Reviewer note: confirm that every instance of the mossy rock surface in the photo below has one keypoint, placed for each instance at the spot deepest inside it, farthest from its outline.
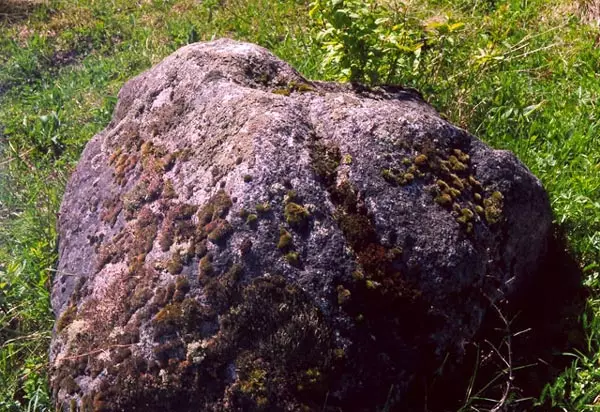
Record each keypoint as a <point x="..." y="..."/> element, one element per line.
<point x="361" y="255"/>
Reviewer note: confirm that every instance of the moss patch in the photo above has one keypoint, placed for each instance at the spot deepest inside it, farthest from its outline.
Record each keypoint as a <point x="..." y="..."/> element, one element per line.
<point x="296" y="215"/>
<point x="493" y="207"/>
<point x="285" y="239"/>
<point x="67" y="317"/>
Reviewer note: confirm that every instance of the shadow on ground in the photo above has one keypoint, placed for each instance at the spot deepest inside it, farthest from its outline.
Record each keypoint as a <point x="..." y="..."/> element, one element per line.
<point x="525" y="338"/>
<point x="14" y="11"/>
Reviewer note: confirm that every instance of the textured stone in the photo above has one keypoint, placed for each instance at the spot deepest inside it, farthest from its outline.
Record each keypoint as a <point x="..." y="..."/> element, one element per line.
<point x="240" y="238"/>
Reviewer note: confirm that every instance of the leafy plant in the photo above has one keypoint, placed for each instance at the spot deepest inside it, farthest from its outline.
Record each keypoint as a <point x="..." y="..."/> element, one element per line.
<point x="375" y="42"/>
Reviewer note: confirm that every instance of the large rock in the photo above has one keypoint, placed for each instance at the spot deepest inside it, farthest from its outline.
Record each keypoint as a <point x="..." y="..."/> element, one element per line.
<point x="240" y="238"/>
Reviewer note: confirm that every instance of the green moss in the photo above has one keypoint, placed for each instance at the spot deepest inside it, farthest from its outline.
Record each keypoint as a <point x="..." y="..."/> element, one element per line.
<point x="474" y="182"/>
<point x="395" y="253"/>
<point x="480" y="211"/>
<point x="466" y="215"/>
<point x="455" y="193"/>
<point x="243" y="213"/>
<point x="205" y="266"/>
<point x="493" y="207"/>
<point x="388" y="175"/>
<point x="456" y="164"/>
<point x="217" y="207"/>
<point x="175" y="264"/>
<point x="145" y="191"/>
<point x="444" y="166"/>
<point x="285" y="239"/>
<point x="343" y="295"/>
<point x="182" y="287"/>
<point x="234" y="273"/>
<point x="407" y="178"/>
<point x="251" y="219"/>
<point x="290" y="196"/>
<point x="166" y="238"/>
<point x="357" y="229"/>
<point x="282" y="91"/>
<point x="347" y="159"/>
<point x="263" y="208"/>
<point x="111" y="209"/>
<point x="264" y="360"/>
<point x="254" y="383"/>
<point x="443" y="186"/>
<point x="421" y="160"/>
<point x="456" y="182"/>
<point x="293" y="258"/>
<point x="296" y="215"/>
<point x="179" y="317"/>
<point x="358" y="275"/>
<point x="301" y="87"/>
<point x="177" y="225"/>
<point x="325" y="161"/>
<point x="463" y="157"/>
<point x="124" y="164"/>
<point x="169" y="190"/>
<point x="221" y="231"/>
<point x="67" y="317"/>
<point x="371" y="284"/>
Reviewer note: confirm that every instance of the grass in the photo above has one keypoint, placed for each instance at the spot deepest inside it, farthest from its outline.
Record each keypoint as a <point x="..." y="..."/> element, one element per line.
<point x="521" y="74"/>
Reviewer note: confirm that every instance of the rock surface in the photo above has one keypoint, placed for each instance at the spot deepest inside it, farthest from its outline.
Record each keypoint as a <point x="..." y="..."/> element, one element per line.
<point x="240" y="238"/>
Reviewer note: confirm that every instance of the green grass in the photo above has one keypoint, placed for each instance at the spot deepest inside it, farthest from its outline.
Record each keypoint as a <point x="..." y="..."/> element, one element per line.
<point x="522" y="75"/>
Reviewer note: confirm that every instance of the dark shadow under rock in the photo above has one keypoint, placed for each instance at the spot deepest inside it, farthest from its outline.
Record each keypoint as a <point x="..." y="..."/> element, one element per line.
<point x="526" y="338"/>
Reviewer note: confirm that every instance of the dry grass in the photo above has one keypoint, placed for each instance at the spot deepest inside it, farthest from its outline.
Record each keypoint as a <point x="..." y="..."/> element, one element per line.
<point x="589" y="11"/>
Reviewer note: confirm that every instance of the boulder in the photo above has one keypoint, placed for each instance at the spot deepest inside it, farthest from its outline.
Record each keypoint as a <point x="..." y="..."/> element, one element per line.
<point x="241" y="238"/>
